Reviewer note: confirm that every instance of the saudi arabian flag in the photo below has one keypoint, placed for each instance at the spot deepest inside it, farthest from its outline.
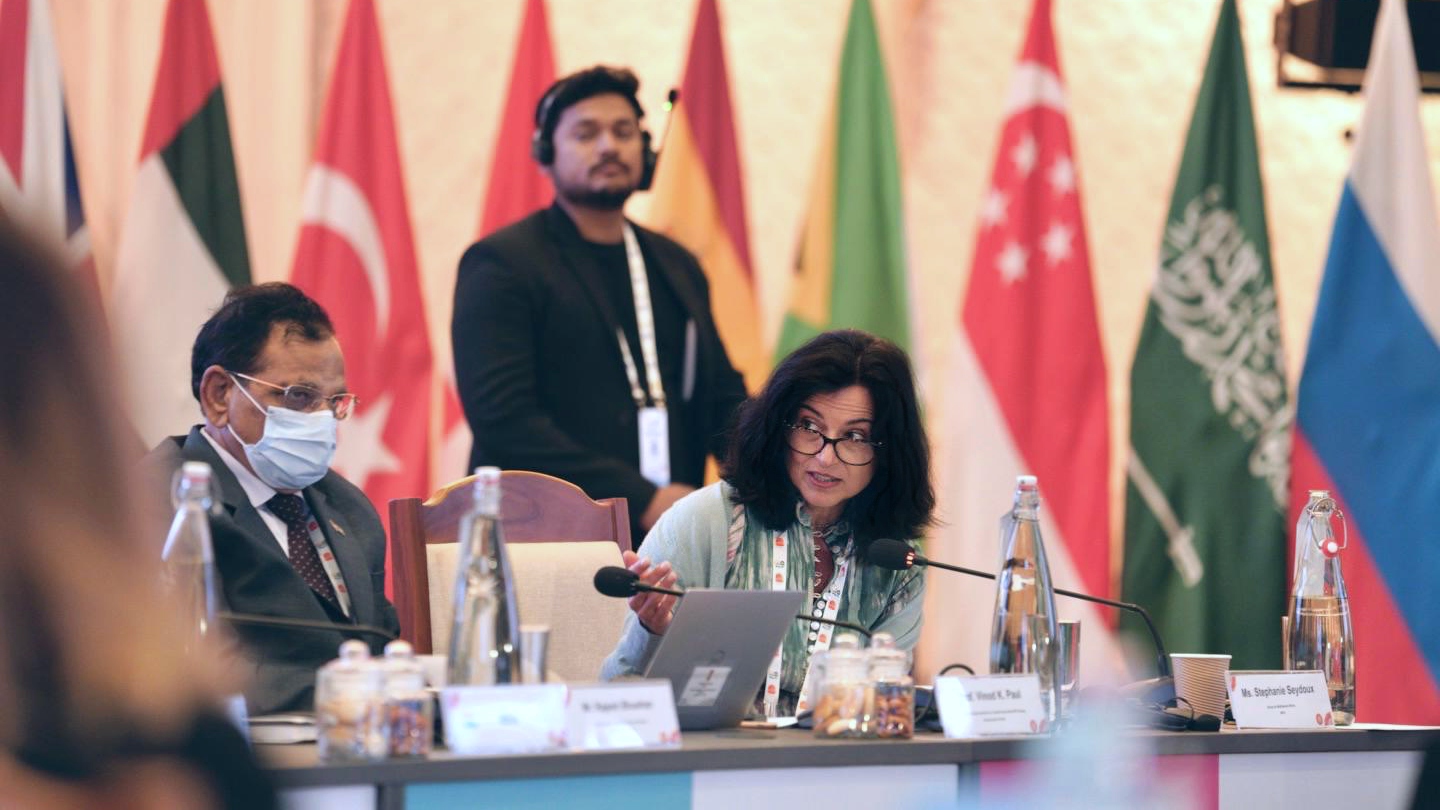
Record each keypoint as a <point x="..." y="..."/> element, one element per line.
<point x="183" y="243"/>
<point x="1209" y="417"/>
<point x="851" y="267"/>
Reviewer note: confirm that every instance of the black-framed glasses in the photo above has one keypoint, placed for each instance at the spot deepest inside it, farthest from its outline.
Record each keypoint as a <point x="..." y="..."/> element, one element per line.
<point x="850" y="449"/>
<point x="305" y="399"/>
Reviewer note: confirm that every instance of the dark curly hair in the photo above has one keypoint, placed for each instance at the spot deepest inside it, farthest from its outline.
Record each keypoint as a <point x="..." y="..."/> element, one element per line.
<point x="899" y="502"/>
<point x="236" y="334"/>
<point x="570" y="90"/>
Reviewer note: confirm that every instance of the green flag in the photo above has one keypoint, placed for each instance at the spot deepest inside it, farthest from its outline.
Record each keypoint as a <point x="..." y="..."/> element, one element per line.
<point x="851" y="267"/>
<point x="1209" y="416"/>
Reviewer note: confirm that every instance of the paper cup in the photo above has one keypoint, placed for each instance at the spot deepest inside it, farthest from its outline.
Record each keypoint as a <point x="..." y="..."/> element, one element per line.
<point x="1200" y="680"/>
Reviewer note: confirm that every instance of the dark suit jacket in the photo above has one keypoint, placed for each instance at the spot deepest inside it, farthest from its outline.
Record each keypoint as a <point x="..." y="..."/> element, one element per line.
<point x="539" y="370"/>
<point x="257" y="577"/>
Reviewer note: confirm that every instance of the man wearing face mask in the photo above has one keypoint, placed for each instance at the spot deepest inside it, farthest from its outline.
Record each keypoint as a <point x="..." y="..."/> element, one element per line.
<point x="293" y="539"/>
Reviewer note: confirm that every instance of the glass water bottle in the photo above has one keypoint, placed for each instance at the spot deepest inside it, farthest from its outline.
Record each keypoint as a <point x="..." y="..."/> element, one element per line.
<point x="485" y="641"/>
<point x="1021" y="639"/>
<point x="189" y="556"/>
<point x="1321" y="636"/>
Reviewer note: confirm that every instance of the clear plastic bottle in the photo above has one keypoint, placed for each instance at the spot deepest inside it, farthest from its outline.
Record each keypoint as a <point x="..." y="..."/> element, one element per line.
<point x="1021" y="639"/>
<point x="409" y="710"/>
<point x="350" y="707"/>
<point x="1321" y="636"/>
<point x="841" y="680"/>
<point x="894" y="689"/>
<point x="189" y="556"/>
<point x="485" y="641"/>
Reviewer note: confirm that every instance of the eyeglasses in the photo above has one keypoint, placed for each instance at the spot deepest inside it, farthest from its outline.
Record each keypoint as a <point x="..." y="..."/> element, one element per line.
<point x="305" y="399"/>
<point x="850" y="449"/>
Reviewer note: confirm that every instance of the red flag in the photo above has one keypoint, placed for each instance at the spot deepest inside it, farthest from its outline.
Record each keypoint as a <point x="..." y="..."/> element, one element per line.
<point x="1030" y="388"/>
<point x="39" y="187"/>
<point x="356" y="256"/>
<point x="699" y="200"/>
<point x="517" y="188"/>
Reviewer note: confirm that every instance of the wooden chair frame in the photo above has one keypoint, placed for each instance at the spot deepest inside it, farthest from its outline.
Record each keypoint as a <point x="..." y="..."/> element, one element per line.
<point x="534" y="508"/>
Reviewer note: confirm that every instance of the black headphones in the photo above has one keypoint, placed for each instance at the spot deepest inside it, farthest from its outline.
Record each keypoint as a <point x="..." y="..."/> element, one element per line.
<point x="542" y="143"/>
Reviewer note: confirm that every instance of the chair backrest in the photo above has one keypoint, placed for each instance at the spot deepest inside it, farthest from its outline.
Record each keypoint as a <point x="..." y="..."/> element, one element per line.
<point x="554" y="587"/>
<point x="534" y="508"/>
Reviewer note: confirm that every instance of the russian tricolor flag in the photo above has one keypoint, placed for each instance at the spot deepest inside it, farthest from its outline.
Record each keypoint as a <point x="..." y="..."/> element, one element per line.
<point x="1369" y="402"/>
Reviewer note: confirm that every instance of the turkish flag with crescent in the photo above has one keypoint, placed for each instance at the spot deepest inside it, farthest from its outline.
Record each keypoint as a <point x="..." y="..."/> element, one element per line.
<point x="356" y="256"/>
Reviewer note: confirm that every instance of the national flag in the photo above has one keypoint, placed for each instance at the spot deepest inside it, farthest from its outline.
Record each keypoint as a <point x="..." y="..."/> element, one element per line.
<point x="851" y="271"/>
<point x="39" y="187"/>
<point x="699" y="199"/>
<point x="1028" y="394"/>
<point x="1369" y="402"/>
<point x="356" y="256"/>
<point x="183" y="243"/>
<point x="517" y="187"/>
<point x="1210" y="420"/>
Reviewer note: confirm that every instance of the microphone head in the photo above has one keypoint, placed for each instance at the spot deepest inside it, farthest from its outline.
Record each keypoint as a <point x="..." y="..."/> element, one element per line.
<point x="892" y="554"/>
<point x="612" y="580"/>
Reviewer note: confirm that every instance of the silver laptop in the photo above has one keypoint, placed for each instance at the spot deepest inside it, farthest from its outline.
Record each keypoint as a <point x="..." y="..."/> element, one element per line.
<point x="717" y="650"/>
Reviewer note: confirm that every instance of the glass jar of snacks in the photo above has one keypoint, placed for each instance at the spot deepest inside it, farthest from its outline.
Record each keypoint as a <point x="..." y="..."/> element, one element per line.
<point x="409" y="710"/>
<point x="893" y="688"/>
<point x="843" y="700"/>
<point x="350" y="707"/>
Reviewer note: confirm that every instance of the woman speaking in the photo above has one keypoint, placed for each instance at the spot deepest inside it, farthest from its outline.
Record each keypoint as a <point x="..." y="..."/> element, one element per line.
<point x="830" y="456"/>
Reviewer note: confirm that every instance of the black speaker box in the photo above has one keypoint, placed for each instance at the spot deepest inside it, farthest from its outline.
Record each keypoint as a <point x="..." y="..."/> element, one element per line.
<point x="1333" y="38"/>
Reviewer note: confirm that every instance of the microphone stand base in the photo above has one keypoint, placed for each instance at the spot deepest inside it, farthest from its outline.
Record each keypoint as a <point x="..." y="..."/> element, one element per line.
<point x="1155" y="691"/>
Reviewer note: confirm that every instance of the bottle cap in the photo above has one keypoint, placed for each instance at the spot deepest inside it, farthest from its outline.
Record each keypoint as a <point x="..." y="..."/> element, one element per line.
<point x="487" y="489"/>
<point x="191" y="482"/>
<point x="353" y="651"/>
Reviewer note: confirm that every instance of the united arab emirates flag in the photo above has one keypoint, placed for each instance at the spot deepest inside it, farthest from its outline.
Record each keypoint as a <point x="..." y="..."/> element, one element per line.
<point x="183" y="244"/>
<point x="1210" y="420"/>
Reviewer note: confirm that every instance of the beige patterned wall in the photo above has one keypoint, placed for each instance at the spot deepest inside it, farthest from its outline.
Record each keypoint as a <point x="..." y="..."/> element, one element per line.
<point x="1132" y="66"/>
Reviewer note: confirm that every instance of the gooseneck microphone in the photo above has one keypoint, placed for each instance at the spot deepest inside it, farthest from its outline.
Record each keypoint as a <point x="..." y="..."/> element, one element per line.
<point x="622" y="583"/>
<point x="899" y="556"/>
<point x="612" y="580"/>
<point x="303" y="624"/>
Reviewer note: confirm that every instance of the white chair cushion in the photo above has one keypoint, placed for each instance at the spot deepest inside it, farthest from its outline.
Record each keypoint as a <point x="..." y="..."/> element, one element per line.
<point x="554" y="584"/>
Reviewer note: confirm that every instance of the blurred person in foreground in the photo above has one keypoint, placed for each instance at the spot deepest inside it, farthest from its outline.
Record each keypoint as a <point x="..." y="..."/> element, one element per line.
<point x="293" y="538"/>
<point x="830" y="456"/>
<point x="99" y="708"/>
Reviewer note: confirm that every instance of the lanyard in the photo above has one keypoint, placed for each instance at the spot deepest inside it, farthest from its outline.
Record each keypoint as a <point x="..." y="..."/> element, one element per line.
<point x="826" y="606"/>
<point x="644" y="325"/>
<point x="328" y="562"/>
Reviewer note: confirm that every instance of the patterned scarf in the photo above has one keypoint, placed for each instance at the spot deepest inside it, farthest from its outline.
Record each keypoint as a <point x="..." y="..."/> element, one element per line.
<point x="871" y="594"/>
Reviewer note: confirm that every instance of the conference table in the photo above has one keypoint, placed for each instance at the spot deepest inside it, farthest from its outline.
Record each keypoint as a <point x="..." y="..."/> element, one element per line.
<point x="1373" y="768"/>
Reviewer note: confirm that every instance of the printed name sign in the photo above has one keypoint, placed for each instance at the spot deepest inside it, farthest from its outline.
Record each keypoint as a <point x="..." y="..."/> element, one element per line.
<point x="990" y="705"/>
<point x="630" y="714"/>
<point x="1275" y="699"/>
<point x="504" y="719"/>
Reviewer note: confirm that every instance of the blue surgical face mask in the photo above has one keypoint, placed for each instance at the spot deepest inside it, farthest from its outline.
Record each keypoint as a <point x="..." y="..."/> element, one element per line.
<point x="295" y="449"/>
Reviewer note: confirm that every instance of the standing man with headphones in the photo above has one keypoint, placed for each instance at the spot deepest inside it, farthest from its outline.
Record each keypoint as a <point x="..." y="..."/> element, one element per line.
<point x="584" y="344"/>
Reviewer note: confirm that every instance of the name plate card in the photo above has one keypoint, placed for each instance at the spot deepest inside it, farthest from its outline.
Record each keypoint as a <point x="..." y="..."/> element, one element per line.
<point x="630" y="714"/>
<point x="504" y="719"/>
<point x="1274" y="699"/>
<point x="990" y="705"/>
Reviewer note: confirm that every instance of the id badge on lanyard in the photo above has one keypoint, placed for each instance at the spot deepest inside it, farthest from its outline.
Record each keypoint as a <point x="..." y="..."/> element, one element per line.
<point x="826" y="607"/>
<point x="652" y="419"/>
